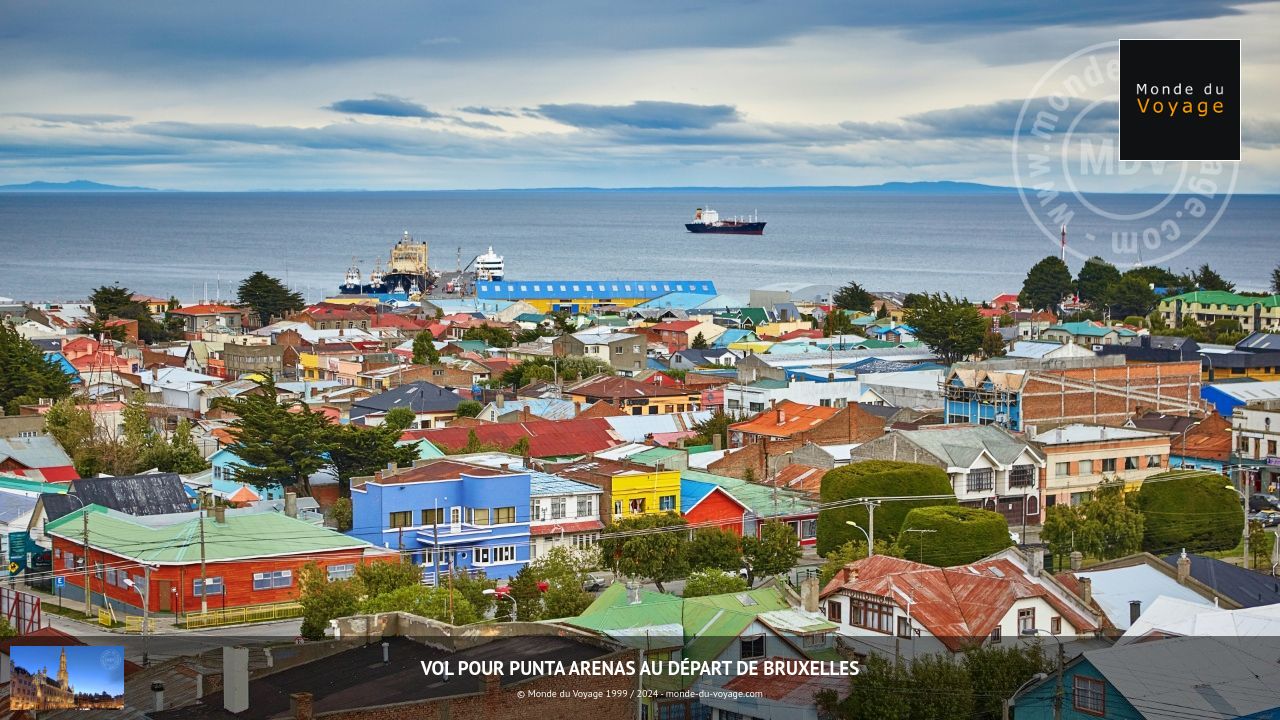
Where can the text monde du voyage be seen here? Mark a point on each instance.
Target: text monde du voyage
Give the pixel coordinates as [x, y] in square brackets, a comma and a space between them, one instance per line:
[1181, 99]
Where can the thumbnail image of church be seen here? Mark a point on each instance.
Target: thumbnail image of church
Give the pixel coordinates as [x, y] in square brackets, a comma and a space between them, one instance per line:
[37, 691]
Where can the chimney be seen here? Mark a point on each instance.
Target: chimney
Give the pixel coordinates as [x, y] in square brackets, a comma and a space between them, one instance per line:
[505, 465]
[220, 515]
[157, 690]
[291, 504]
[235, 679]
[1184, 568]
[717, 442]
[782, 415]
[1086, 590]
[301, 706]
[633, 592]
[1135, 611]
[500, 401]
[1077, 560]
[773, 402]
[1036, 562]
[525, 415]
[386, 653]
[577, 408]
[809, 594]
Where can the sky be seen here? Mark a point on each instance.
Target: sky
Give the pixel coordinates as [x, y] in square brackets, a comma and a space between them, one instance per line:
[420, 94]
[88, 670]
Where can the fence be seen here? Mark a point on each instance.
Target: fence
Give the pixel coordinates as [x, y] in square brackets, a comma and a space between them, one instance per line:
[236, 616]
[21, 610]
[133, 623]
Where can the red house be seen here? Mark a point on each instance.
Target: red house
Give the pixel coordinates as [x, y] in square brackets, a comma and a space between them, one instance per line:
[251, 558]
[706, 504]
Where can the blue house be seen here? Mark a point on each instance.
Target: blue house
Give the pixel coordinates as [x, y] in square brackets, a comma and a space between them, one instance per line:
[1187, 677]
[225, 466]
[447, 515]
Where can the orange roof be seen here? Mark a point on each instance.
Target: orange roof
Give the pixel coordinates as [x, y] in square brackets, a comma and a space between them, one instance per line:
[244, 495]
[804, 478]
[209, 309]
[786, 419]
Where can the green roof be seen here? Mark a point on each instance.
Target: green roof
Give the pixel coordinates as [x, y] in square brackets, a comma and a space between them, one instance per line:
[478, 346]
[760, 499]
[694, 449]
[654, 455]
[426, 449]
[1088, 329]
[249, 535]
[530, 317]
[1222, 297]
[17, 483]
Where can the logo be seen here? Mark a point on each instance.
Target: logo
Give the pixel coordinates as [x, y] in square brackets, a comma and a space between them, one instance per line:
[111, 658]
[1180, 100]
[1087, 201]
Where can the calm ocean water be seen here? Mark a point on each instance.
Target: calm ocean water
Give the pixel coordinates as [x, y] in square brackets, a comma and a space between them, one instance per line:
[60, 246]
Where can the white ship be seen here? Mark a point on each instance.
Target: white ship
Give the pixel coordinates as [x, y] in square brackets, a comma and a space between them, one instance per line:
[489, 266]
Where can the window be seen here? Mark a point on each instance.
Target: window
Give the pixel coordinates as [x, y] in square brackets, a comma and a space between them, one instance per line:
[212, 586]
[871, 615]
[1022, 476]
[269, 580]
[494, 555]
[637, 506]
[1089, 695]
[1062, 469]
[1131, 462]
[1055, 625]
[479, 516]
[536, 512]
[814, 640]
[111, 577]
[980, 480]
[1153, 461]
[618, 350]
[401, 519]
[751, 647]
[1086, 467]
[996, 636]
[433, 517]
[557, 508]
[667, 502]
[504, 515]
[904, 627]
[585, 506]
[617, 507]
[808, 529]
[834, 611]
[341, 572]
[1109, 465]
[1026, 620]
[69, 561]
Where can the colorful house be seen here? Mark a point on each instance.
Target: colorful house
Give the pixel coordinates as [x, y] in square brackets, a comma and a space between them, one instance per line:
[706, 504]
[448, 515]
[225, 466]
[628, 489]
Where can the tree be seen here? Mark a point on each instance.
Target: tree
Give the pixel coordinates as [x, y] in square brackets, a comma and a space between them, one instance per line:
[472, 587]
[774, 552]
[1260, 543]
[715, 549]
[852, 551]
[323, 600]
[715, 426]
[958, 535]
[1189, 509]
[993, 345]
[853, 297]
[1275, 280]
[186, 456]
[564, 570]
[837, 322]
[1207, 279]
[491, 335]
[426, 601]
[6, 630]
[359, 450]
[712, 582]
[1105, 526]
[341, 513]
[1131, 296]
[380, 578]
[469, 408]
[1096, 279]
[1047, 283]
[569, 369]
[658, 555]
[74, 429]
[26, 375]
[267, 297]
[281, 443]
[952, 328]
[870, 479]
[699, 342]
[113, 301]
[424, 349]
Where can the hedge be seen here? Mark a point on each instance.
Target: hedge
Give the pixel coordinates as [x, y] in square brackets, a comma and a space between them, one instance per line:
[1192, 510]
[876, 478]
[960, 535]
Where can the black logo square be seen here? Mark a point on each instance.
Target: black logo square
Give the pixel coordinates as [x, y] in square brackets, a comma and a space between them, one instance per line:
[1180, 99]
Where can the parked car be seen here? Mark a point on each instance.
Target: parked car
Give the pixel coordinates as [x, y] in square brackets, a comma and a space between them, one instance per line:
[1268, 518]
[1263, 501]
[593, 584]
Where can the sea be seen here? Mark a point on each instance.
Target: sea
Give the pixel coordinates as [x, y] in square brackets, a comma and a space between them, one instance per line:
[59, 246]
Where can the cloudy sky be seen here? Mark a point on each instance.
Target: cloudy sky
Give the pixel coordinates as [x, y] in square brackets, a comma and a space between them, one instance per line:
[415, 94]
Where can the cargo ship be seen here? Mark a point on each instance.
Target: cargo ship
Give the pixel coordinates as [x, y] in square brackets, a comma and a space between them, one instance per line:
[407, 273]
[708, 221]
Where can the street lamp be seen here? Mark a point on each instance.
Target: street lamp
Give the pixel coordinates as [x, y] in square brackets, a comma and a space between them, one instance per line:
[1005, 704]
[870, 550]
[144, 593]
[1057, 694]
[1244, 502]
[507, 595]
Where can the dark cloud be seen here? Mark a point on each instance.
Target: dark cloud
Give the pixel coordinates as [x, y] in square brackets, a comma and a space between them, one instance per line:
[384, 106]
[991, 120]
[490, 112]
[643, 114]
[73, 118]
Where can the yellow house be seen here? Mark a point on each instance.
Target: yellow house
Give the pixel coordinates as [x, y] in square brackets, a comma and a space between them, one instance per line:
[778, 329]
[1254, 313]
[629, 490]
[755, 346]
[309, 365]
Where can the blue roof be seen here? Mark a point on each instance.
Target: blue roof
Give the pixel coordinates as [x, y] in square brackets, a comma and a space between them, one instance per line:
[733, 335]
[545, 408]
[589, 289]
[678, 300]
[541, 483]
[693, 491]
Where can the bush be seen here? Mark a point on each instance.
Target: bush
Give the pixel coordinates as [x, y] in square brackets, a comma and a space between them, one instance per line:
[961, 535]
[1192, 510]
[876, 478]
[713, 582]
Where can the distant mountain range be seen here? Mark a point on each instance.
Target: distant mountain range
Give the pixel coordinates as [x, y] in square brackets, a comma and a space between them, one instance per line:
[72, 186]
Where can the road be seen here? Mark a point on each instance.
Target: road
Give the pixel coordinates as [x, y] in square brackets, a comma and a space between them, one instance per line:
[168, 643]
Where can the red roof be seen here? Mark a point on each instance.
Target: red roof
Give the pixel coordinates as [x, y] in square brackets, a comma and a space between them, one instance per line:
[209, 309]
[802, 333]
[954, 604]
[58, 473]
[443, 469]
[612, 386]
[786, 419]
[804, 478]
[584, 526]
[790, 689]
[392, 320]
[547, 438]
[676, 325]
[337, 311]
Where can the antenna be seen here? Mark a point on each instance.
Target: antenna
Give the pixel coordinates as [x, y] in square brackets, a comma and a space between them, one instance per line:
[1064, 243]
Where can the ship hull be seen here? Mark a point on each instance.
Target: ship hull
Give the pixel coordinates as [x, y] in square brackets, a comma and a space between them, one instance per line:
[727, 228]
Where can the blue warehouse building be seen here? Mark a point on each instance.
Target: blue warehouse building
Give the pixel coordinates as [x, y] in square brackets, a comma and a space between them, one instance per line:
[580, 296]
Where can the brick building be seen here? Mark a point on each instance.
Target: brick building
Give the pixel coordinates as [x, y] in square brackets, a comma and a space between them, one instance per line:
[1079, 458]
[787, 426]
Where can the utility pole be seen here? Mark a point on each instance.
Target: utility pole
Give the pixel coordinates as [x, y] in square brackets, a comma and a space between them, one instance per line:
[88, 590]
[871, 506]
[204, 581]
